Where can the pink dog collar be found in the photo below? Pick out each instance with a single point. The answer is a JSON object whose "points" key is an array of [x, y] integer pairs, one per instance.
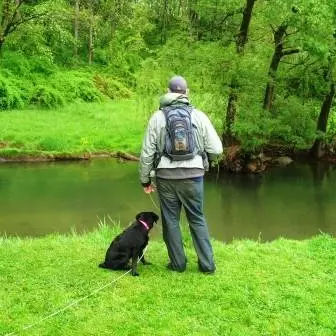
{"points": [[144, 224]]}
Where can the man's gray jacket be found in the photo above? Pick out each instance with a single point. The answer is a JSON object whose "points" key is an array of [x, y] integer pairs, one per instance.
{"points": [[207, 141]]}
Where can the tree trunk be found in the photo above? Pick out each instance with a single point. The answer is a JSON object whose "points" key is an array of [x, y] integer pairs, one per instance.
{"points": [[76, 28], [164, 21], [244, 27], [270, 87], [279, 53], [228, 137], [91, 42], [5, 15], [322, 123], [276, 58], [194, 23]]}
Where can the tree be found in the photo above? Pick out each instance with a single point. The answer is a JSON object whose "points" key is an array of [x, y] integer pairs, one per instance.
{"points": [[300, 28], [76, 27], [241, 40], [12, 17], [213, 20], [280, 36]]}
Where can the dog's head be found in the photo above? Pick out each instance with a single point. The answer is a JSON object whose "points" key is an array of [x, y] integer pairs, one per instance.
{"points": [[148, 217]]}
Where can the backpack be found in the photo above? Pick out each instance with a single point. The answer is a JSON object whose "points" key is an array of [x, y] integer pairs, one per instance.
{"points": [[180, 143]]}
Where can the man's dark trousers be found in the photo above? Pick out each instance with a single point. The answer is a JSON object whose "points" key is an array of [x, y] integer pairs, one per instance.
{"points": [[189, 193]]}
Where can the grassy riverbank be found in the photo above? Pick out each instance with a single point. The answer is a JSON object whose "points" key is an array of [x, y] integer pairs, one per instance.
{"points": [[79, 129], [278, 288], [75, 130]]}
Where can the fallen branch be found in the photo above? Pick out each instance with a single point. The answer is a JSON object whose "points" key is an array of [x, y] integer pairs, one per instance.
{"points": [[125, 156]]}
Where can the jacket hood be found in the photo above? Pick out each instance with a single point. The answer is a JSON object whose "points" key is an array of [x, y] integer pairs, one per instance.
{"points": [[172, 98]]}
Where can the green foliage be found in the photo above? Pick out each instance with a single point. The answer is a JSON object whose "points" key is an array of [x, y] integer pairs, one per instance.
{"points": [[10, 95], [253, 125], [138, 45], [111, 88], [47, 97], [297, 120], [201, 64], [293, 125], [36, 81], [16, 64], [27, 67], [76, 86], [331, 133]]}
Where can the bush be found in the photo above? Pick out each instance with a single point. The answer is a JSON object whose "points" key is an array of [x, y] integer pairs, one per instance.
{"points": [[11, 96], [43, 96], [20, 65], [16, 63], [111, 88], [298, 119], [35, 80], [76, 86]]}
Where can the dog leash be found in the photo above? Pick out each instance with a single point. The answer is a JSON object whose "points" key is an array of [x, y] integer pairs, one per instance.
{"points": [[72, 303], [155, 205]]}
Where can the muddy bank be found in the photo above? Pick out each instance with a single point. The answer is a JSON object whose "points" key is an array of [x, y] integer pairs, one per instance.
{"points": [[46, 157], [239, 161]]}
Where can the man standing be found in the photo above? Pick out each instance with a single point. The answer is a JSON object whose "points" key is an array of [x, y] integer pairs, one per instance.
{"points": [[178, 141]]}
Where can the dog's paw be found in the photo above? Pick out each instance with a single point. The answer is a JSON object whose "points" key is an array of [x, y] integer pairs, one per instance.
{"points": [[135, 274], [148, 263]]}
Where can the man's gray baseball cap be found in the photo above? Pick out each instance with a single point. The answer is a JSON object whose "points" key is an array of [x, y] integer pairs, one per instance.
{"points": [[178, 84]]}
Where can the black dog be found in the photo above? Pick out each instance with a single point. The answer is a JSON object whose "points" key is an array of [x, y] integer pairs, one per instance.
{"points": [[130, 244]]}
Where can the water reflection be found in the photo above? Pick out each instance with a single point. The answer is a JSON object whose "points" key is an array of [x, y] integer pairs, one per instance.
{"points": [[322, 174], [294, 202], [290, 202]]}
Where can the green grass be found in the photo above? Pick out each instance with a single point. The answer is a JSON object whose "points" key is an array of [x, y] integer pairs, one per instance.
{"points": [[282, 287]]}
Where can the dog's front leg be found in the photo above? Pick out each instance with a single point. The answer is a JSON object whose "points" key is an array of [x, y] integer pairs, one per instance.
{"points": [[135, 255]]}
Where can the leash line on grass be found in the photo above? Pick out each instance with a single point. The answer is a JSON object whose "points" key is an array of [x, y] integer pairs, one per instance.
{"points": [[71, 304]]}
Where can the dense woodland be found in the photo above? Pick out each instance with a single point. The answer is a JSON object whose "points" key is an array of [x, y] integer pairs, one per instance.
{"points": [[264, 69]]}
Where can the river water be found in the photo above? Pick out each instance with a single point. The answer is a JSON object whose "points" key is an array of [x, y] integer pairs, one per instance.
{"points": [[296, 202]]}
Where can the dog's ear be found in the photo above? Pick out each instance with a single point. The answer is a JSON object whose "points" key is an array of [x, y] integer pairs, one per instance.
{"points": [[139, 215], [153, 216]]}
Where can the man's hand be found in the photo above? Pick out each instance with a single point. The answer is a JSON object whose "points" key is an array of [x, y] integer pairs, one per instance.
{"points": [[149, 189]]}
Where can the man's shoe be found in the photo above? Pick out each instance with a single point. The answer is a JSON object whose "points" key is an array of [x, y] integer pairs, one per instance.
{"points": [[171, 268], [208, 272]]}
